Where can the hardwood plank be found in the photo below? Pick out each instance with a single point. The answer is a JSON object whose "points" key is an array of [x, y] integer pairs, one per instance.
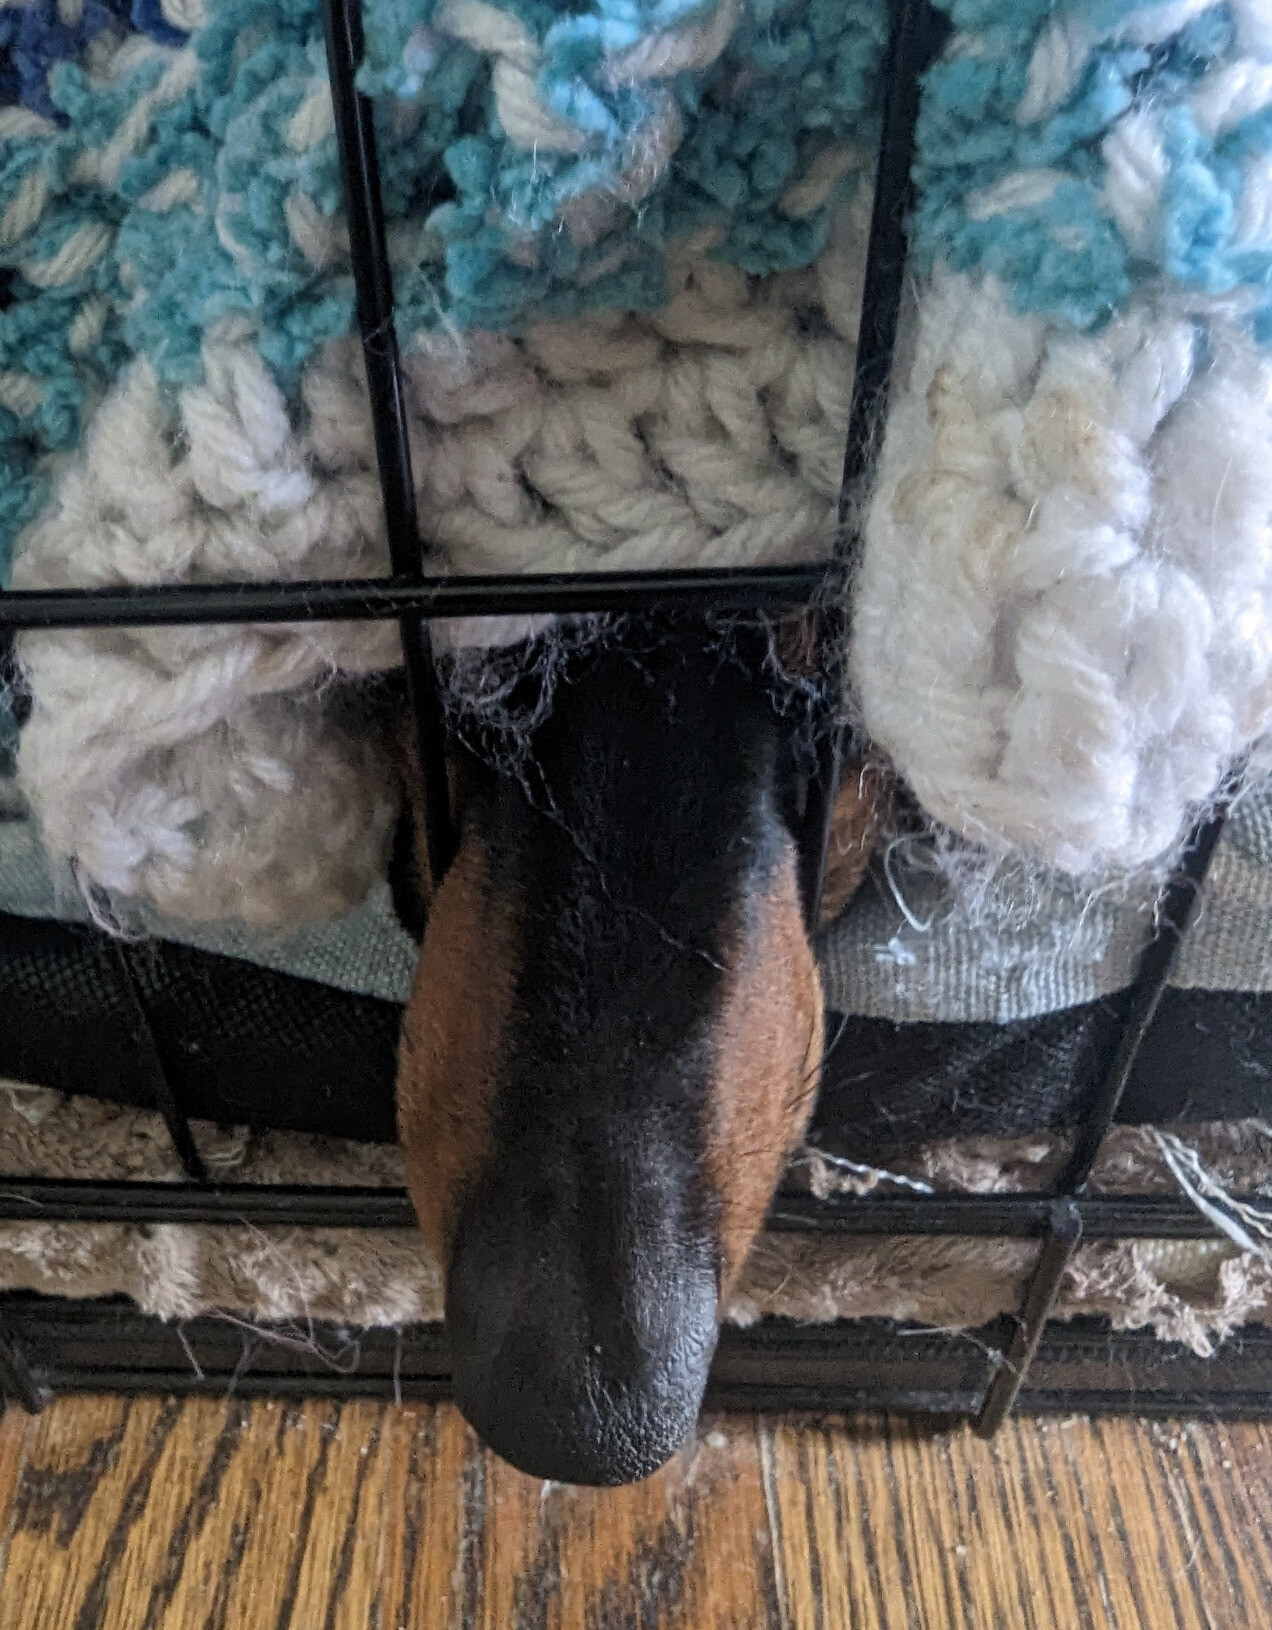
{"points": [[295, 1537], [15, 1437], [153, 1515], [87, 1473], [1077, 1524], [431, 1545], [224, 1515], [1219, 1484], [688, 1549], [478, 1546]]}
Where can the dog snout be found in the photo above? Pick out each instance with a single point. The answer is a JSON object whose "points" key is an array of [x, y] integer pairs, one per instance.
{"points": [[575, 1356]]}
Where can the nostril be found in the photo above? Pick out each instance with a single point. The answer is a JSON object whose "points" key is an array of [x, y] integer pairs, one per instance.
{"points": [[566, 1378]]}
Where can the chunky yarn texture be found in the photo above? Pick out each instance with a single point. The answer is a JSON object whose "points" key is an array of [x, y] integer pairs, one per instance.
{"points": [[1064, 622], [535, 166], [578, 209], [628, 244]]}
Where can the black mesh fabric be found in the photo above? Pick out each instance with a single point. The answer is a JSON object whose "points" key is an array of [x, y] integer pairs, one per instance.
{"points": [[244, 1045], [64, 1016], [240, 1044], [887, 1087]]}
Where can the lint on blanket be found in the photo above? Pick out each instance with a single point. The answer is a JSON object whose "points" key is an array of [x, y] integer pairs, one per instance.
{"points": [[628, 239]]}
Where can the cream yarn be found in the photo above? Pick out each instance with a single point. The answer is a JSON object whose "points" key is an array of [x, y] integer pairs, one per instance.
{"points": [[1064, 616], [198, 769]]}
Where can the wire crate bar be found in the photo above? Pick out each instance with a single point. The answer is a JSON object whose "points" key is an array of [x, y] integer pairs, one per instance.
{"points": [[414, 595], [374, 599]]}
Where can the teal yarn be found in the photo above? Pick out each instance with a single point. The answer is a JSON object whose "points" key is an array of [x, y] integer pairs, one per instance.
{"points": [[105, 266], [177, 266], [539, 164], [1068, 256]]}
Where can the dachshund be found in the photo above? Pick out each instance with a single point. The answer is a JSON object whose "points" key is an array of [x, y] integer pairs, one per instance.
{"points": [[612, 1045]]}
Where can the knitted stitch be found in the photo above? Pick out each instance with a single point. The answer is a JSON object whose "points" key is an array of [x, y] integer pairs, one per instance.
{"points": [[534, 166], [1064, 617], [179, 301], [178, 765], [630, 344], [35, 35]]}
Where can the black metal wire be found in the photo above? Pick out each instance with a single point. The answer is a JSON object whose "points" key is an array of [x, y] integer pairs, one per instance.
{"points": [[916, 34], [372, 599], [1064, 1230], [777, 1365], [162, 1090], [1176, 911], [983, 1216], [359, 165], [994, 1216]]}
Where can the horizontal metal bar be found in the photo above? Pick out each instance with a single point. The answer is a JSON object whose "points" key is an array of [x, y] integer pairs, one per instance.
{"points": [[368, 599], [1006, 1216], [1084, 1365], [994, 1216], [70, 1200]]}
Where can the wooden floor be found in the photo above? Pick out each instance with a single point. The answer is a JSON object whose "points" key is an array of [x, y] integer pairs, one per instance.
{"points": [[264, 1516]]}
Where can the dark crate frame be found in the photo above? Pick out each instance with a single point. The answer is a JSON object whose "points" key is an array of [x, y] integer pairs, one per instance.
{"points": [[49, 1344]]}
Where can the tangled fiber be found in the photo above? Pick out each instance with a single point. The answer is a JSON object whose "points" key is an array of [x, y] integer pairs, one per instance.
{"points": [[628, 243]]}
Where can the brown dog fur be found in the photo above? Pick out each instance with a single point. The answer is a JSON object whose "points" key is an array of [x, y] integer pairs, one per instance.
{"points": [[767, 1067], [450, 1042]]}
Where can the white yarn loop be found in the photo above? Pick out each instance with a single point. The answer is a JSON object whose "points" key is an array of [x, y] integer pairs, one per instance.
{"points": [[1075, 534], [676, 50], [1065, 46]]}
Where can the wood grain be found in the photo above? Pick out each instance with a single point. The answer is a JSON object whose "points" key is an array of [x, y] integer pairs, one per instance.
{"points": [[225, 1515]]}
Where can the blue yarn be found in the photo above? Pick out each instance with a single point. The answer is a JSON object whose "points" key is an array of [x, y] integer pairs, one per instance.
{"points": [[810, 68], [814, 67], [34, 39], [1067, 259], [147, 18], [486, 221]]}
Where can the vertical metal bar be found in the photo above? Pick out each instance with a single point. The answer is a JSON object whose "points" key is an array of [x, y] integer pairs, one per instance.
{"points": [[1064, 1230], [161, 1087], [16, 1380], [355, 136], [916, 34], [1175, 913]]}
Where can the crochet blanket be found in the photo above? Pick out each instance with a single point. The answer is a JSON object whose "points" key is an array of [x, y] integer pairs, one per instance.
{"points": [[908, 948], [628, 243], [1072, 517]]}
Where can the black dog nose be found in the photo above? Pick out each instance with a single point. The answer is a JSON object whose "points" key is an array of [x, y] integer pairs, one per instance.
{"points": [[580, 1336]]}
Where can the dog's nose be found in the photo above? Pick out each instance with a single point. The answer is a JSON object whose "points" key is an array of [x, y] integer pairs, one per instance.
{"points": [[580, 1335]]}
